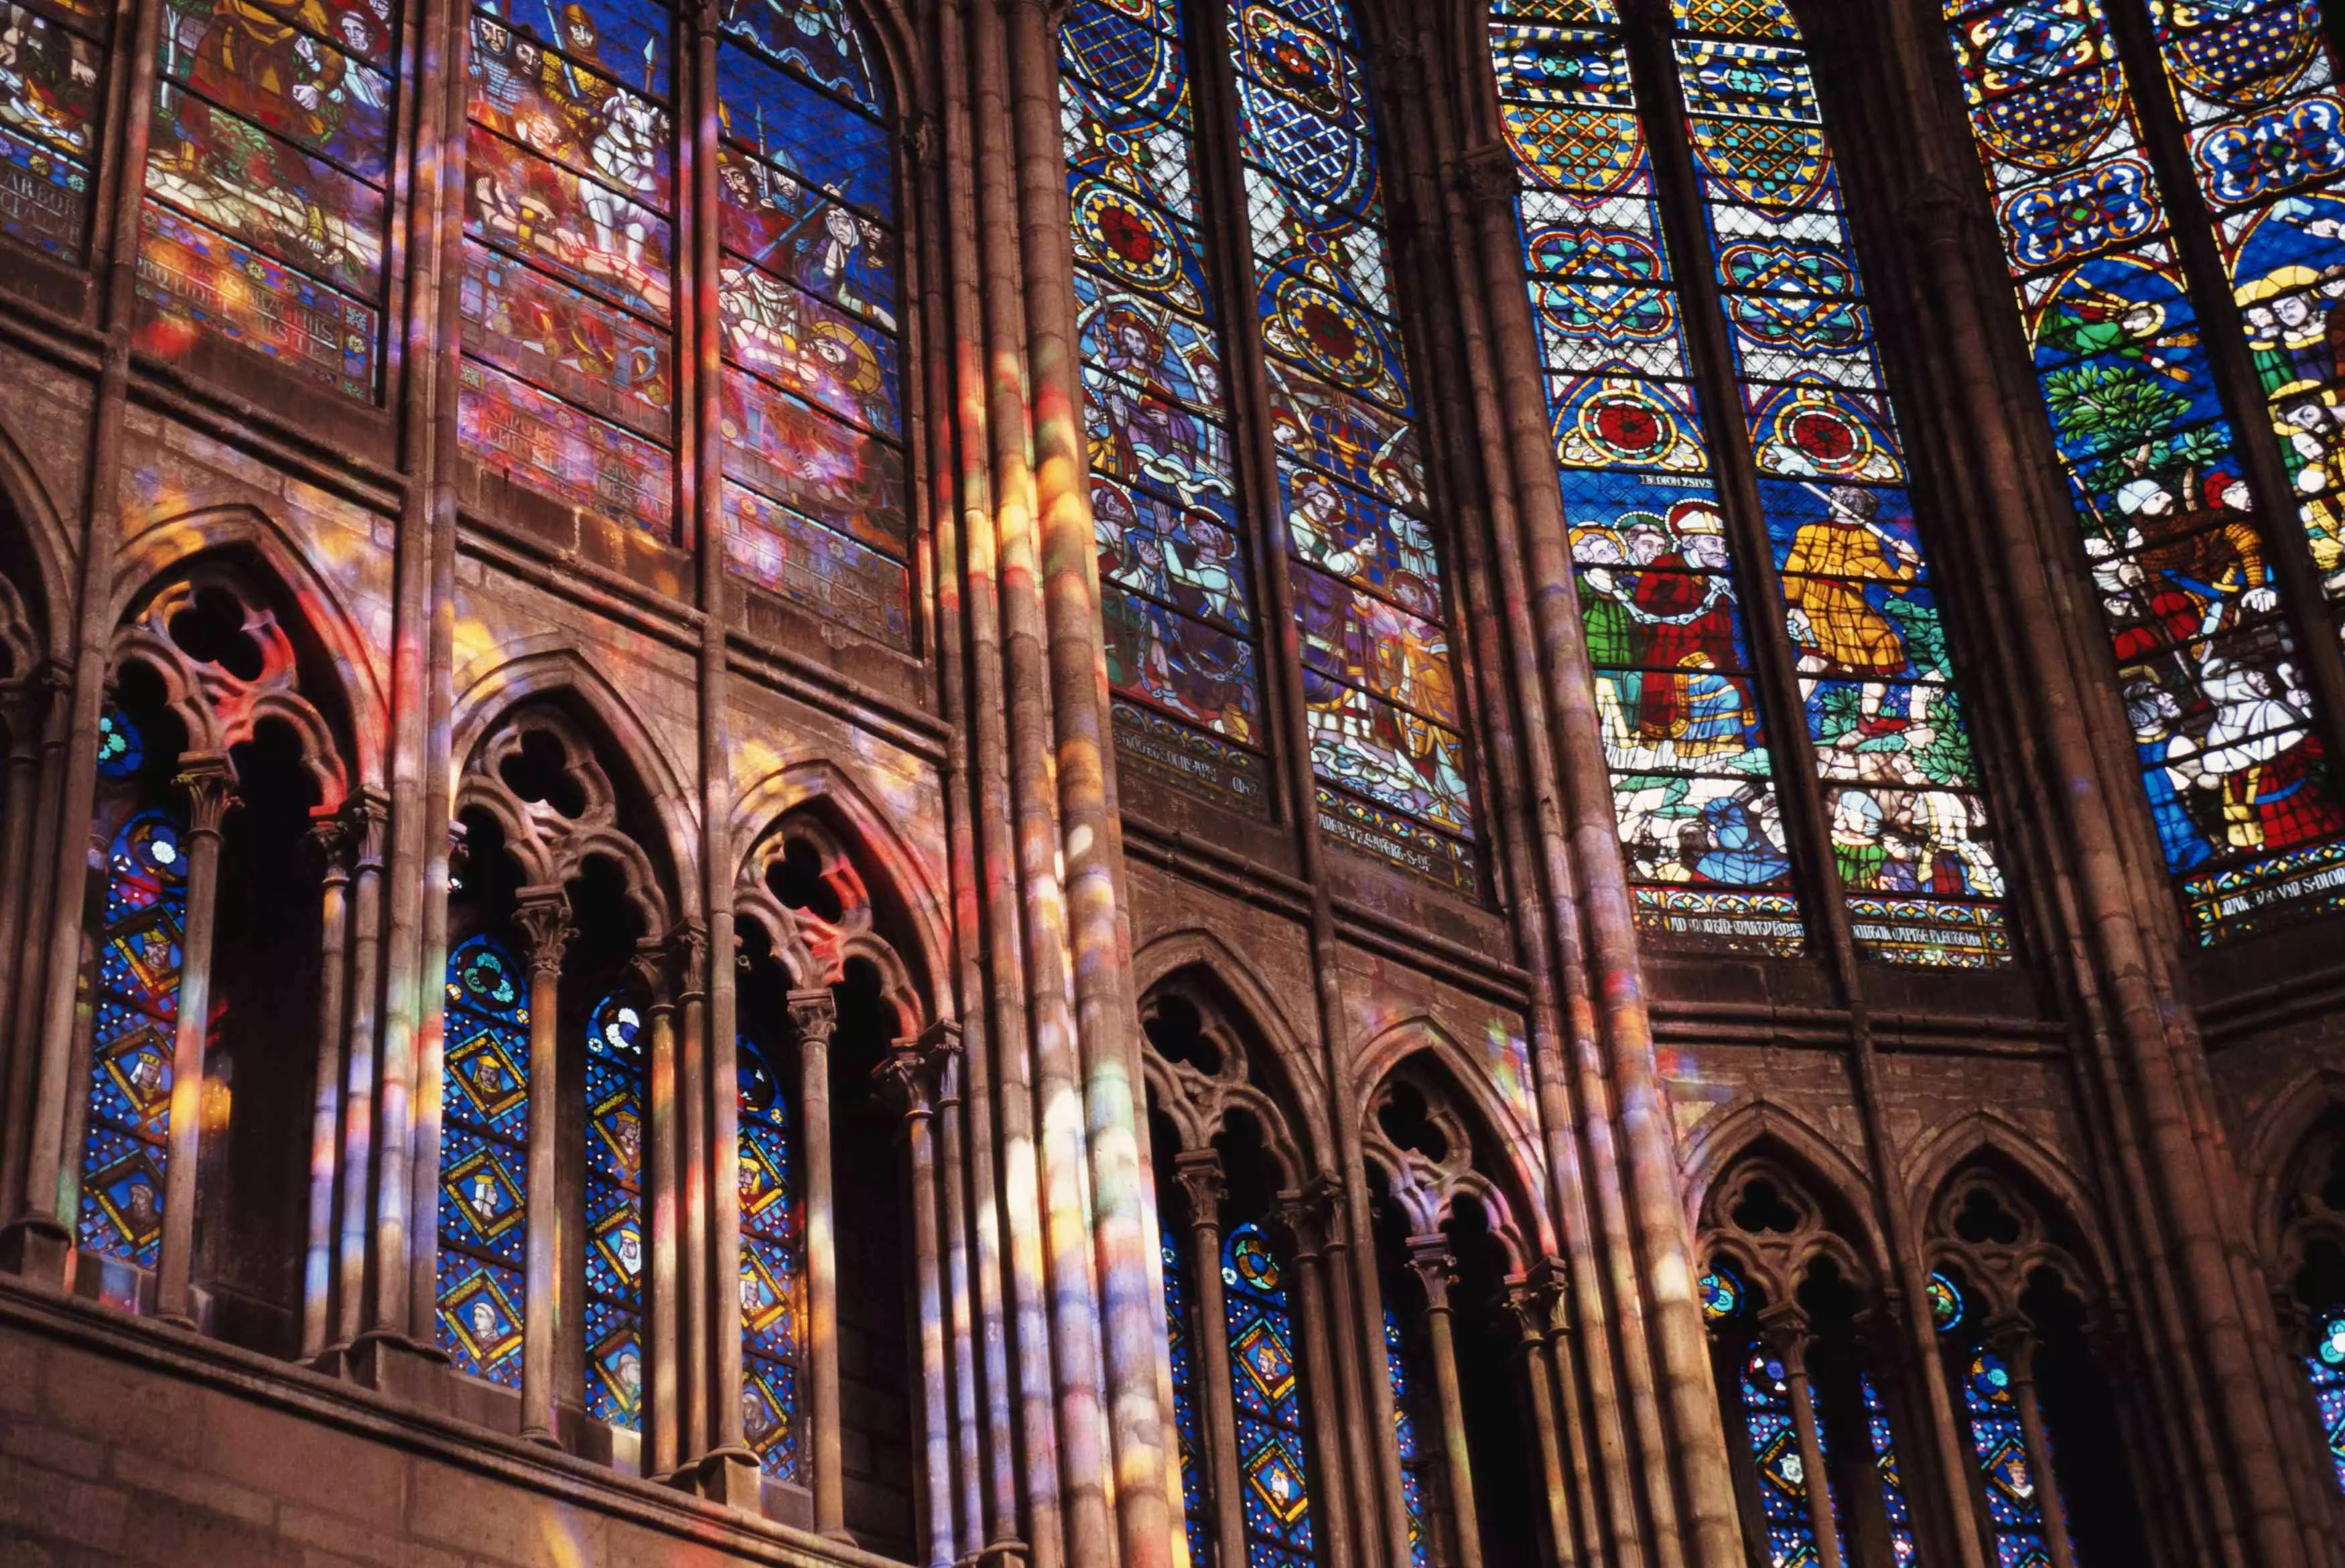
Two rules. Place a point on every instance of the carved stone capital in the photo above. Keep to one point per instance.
(653, 966)
(1783, 1329)
(1198, 1172)
(1527, 1309)
(687, 956)
(925, 140)
(1487, 176)
(1308, 1216)
(813, 1014)
(905, 1083)
(543, 913)
(209, 784)
(367, 815)
(330, 842)
(1937, 210)
(2013, 1337)
(1436, 1269)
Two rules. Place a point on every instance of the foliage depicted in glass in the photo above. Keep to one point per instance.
(2246, 803)
(1693, 781)
(1381, 696)
(1274, 1467)
(135, 1013)
(267, 184)
(568, 385)
(1196, 1513)
(1182, 643)
(1900, 784)
(1413, 1457)
(1894, 1509)
(52, 80)
(814, 506)
(615, 1213)
(484, 1162)
(2014, 1510)
(1774, 1441)
(2326, 1368)
(772, 1289)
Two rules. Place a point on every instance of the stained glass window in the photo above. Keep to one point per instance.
(1413, 1457)
(267, 184)
(1895, 1511)
(615, 1212)
(1774, 1441)
(1693, 788)
(1380, 693)
(1684, 729)
(52, 84)
(136, 1015)
(2014, 1510)
(772, 1279)
(2326, 1368)
(568, 381)
(1180, 1338)
(1182, 643)
(2181, 552)
(815, 481)
(484, 1162)
(1274, 1466)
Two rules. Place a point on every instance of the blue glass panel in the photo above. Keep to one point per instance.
(1768, 1428)
(628, 39)
(1416, 1502)
(772, 1289)
(2326, 1368)
(771, 219)
(1275, 1473)
(2014, 1508)
(559, 109)
(615, 1244)
(1187, 1427)
(1898, 1512)
(804, 132)
(484, 1162)
(816, 38)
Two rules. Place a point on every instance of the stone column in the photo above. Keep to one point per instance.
(1199, 1172)
(700, 1297)
(544, 916)
(24, 704)
(366, 818)
(1305, 1217)
(655, 971)
(908, 1080)
(330, 838)
(1785, 1331)
(1430, 1256)
(209, 783)
(1528, 1307)
(2016, 1346)
(37, 880)
(815, 1016)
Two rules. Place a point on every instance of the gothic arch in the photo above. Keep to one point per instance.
(1198, 1103)
(260, 547)
(1426, 1188)
(818, 796)
(853, 914)
(1422, 1038)
(2282, 1125)
(1935, 1162)
(1195, 949)
(560, 681)
(48, 582)
(1753, 1123)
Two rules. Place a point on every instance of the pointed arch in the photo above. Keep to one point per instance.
(2287, 1118)
(251, 543)
(46, 582)
(1935, 1161)
(1295, 1086)
(1521, 1221)
(1752, 1122)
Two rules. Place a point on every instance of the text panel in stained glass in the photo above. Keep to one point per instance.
(1273, 1463)
(1901, 791)
(2245, 802)
(485, 1193)
(806, 293)
(772, 1302)
(1700, 825)
(1182, 648)
(267, 184)
(615, 1213)
(1384, 730)
(135, 1017)
(569, 378)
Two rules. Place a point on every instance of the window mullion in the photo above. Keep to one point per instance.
(1228, 255)
(2223, 338)
(1653, 67)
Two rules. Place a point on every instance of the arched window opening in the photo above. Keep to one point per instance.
(1720, 418)
(1808, 1391)
(205, 939)
(1244, 1250)
(815, 498)
(1181, 1329)
(2312, 1261)
(1465, 1330)
(2170, 257)
(568, 382)
(1385, 728)
(268, 187)
(2008, 1300)
(559, 996)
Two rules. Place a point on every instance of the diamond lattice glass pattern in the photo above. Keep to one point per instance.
(484, 1162)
